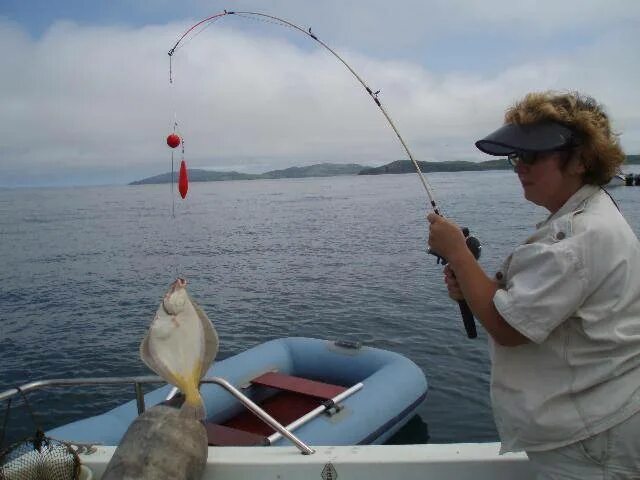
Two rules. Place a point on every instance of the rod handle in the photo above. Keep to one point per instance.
(467, 319)
(474, 245)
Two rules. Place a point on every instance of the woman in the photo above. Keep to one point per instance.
(563, 312)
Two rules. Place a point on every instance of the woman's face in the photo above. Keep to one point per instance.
(547, 183)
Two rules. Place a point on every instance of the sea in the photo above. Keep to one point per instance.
(83, 271)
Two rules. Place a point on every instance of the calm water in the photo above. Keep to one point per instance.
(83, 270)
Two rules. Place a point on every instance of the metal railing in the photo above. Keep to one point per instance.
(333, 403)
(139, 381)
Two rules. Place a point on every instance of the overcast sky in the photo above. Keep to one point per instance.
(85, 94)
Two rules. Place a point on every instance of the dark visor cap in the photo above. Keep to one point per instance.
(534, 137)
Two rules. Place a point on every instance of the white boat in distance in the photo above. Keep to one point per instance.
(618, 180)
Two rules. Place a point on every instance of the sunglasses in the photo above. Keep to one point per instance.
(526, 158)
(529, 158)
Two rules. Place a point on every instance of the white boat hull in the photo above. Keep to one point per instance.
(618, 180)
(461, 461)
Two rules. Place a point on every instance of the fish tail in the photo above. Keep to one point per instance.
(193, 405)
(194, 408)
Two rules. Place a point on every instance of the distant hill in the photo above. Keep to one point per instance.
(332, 169)
(318, 170)
(196, 175)
(406, 166)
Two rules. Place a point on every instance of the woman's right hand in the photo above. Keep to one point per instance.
(452, 284)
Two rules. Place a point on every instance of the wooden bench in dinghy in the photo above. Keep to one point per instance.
(296, 397)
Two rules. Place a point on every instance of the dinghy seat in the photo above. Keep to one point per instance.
(223, 436)
(300, 385)
(295, 397)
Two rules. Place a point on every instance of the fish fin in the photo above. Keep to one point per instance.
(158, 367)
(211, 340)
(145, 354)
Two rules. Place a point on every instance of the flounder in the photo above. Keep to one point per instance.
(180, 346)
(165, 443)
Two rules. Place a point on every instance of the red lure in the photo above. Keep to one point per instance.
(173, 140)
(183, 180)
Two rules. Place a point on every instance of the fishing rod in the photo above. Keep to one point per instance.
(472, 243)
(372, 94)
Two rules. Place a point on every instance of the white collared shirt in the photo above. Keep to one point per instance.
(573, 289)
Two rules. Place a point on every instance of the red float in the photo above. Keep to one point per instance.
(183, 180)
(173, 140)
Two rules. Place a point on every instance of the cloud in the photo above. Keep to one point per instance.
(93, 104)
(404, 26)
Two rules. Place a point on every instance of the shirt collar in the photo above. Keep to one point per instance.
(575, 201)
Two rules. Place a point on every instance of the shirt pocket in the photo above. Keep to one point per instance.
(596, 447)
(545, 286)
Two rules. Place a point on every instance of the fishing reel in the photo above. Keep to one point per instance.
(474, 245)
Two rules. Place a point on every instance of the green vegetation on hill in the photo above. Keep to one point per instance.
(406, 166)
(332, 169)
(196, 175)
(318, 170)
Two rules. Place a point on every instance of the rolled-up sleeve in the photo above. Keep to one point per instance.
(546, 283)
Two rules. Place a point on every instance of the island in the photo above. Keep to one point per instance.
(199, 175)
(334, 169)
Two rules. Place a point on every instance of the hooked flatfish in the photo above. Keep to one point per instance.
(180, 345)
(164, 443)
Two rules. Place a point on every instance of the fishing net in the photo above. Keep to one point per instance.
(38, 457)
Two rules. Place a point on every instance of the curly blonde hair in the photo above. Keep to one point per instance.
(598, 146)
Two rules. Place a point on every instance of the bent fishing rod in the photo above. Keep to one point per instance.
(472, 243)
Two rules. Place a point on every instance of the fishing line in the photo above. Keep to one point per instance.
(178, 221)
(192, 37)
(174, 140)
(263, 20)
(207, 21)
(207, 25)
(173, 199)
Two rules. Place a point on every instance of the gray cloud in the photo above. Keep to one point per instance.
(95, 102)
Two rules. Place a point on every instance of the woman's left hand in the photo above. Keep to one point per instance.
(445, 237)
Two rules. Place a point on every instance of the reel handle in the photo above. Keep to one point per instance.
(474, 245)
